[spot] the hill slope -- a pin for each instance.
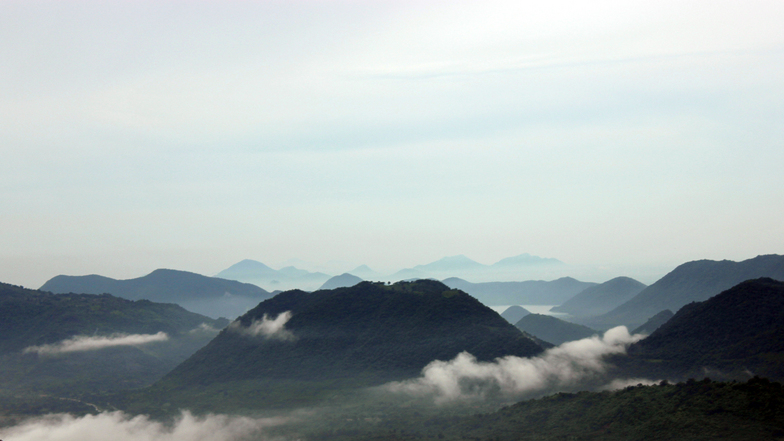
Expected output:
(602, 298)
(342, 281)
(654, 323)
(736, 332)
(353, 337)
(72, 342)
(210, 296)
(691, 282)
(514, 313)
(553, 330)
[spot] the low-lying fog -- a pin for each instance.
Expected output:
(572, 366)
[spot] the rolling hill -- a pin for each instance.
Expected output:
(333, 340)
(737, 333)
(602, 298)
(553, 330)
(71, 343)
(210, 296)
(344, 280)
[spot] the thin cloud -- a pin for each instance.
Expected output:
(273, 329)
(121, 427)
(81, 343)
(465, 378)
(204, 327)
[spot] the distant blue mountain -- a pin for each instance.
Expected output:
(526, 259)
(344, 280)
(257, 273)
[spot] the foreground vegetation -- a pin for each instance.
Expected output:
(693, 410)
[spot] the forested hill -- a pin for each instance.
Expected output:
(691, 282)
(364, 335)
(737, 332)
(45, 323)
(693, 410)
(210, 296)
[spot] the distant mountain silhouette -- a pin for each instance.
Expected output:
(211, 296)
(463, 267)
(32, 320)
(552, 329)
(450, 264)
(514, 313)
(602, 298)
(654, 322)
(257, 273)
(532, 292)
(364, 272)
(354, 337)
(524, 260)
(691, 282)
(344, 280)
(736, 333)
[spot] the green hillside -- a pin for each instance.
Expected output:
(354, 337)
(734, 334)
(39, 321)
(694, 410)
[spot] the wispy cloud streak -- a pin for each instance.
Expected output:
(81, 343)
(273, 329)
(465, 378)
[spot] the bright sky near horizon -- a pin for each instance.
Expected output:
(190, 135)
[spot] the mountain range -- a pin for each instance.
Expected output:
(290, 277)
(462, 266)
(210, 296)
(737, 333)
(689, 282)
(257, 273)
(531, 292)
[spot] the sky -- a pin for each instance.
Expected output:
(632, 135)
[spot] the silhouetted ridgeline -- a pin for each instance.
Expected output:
(211, 296)
(735, 334)
(531, 292)
(691, 282)
(602, 298)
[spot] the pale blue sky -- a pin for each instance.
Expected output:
(191, 135)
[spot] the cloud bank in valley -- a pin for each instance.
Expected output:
(121, 427)
(567, 365)
(273, 329)
(81, 343)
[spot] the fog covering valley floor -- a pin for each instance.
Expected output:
(358, 363)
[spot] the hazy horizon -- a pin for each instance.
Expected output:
(624, 135)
